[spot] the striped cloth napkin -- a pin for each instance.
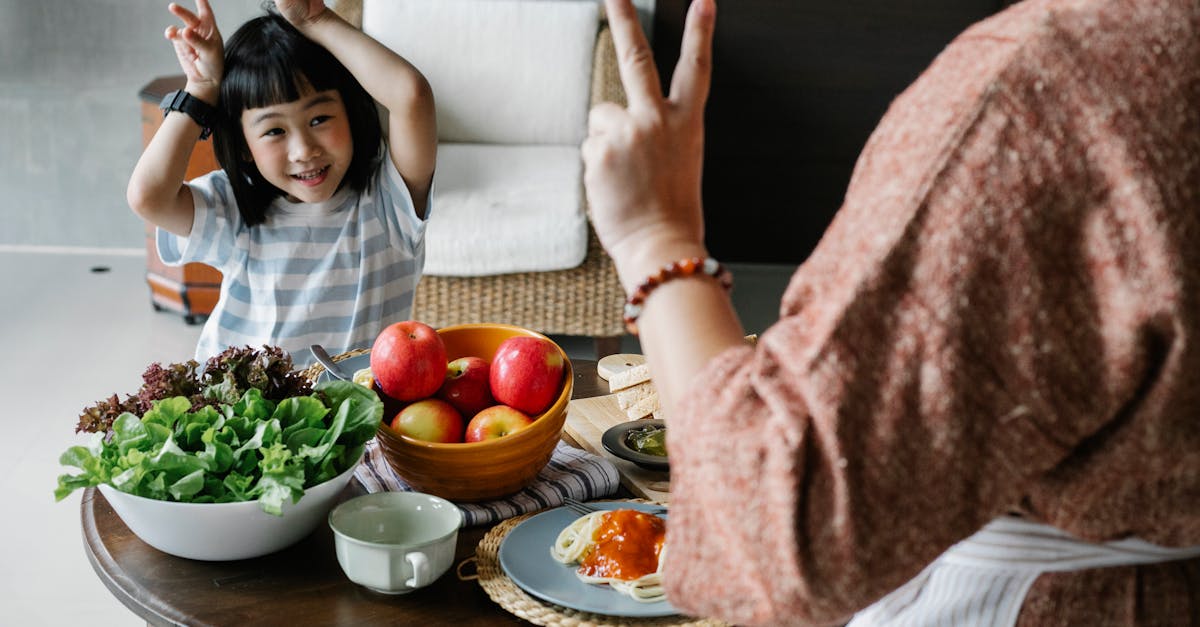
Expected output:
(571, 473)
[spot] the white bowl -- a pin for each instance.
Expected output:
(224, 531)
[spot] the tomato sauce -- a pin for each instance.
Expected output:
(626, 545)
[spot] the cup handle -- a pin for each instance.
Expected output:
(420, 566)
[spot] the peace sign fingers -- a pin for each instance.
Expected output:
(643, 164)
(693, 72)
(198, 46)
(635, 59)
(190, 20)
(208, 23)
(201, 22)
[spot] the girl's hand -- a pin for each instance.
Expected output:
(643, 163)
(300, 12)
(200, 50)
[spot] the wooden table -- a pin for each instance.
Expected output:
(301, 585)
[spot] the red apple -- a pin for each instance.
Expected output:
(409, 360)
(527, 373)
(431, 420)
(494, 422)
(467, 387)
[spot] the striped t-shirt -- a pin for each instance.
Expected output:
(333, 273)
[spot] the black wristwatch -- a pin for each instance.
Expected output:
(203, 113)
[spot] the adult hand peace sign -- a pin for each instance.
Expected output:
(643, 163)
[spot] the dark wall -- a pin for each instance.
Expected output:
(798, 85)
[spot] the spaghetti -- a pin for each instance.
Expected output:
(623, 548)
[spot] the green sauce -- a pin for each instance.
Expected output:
(651, 440)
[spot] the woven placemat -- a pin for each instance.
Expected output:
(507, 595)
(312, 372)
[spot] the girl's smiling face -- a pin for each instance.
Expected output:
(303, 147)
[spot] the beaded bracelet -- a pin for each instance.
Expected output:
(675, 270)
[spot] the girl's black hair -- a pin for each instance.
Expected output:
(269, 62)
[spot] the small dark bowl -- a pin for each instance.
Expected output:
(614, 442)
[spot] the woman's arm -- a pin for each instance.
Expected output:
(980, 329)
(394, 82)
(156, 189)
(643, 167)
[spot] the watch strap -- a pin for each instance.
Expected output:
(201, 112)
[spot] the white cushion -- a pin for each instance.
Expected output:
(500, 209)
(502, 71)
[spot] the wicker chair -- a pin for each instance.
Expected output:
(582, 301)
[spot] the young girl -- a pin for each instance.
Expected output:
(316, 223)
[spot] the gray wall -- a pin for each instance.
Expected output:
(70, 132)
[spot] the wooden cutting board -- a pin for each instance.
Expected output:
(587, 420)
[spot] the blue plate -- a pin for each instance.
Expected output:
(525, 558)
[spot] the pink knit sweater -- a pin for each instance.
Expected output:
(1004, 316)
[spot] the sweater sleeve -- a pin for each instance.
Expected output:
(998, 286)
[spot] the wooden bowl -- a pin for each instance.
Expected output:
(480, 471)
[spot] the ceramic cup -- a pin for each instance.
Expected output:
(395, 542)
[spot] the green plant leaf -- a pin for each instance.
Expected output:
(190, 484)
(247, 427)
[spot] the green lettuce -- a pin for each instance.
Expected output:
(250, 448)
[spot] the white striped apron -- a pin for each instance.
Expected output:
(983, 579)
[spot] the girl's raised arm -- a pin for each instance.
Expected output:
(156, 190)
(392, 81)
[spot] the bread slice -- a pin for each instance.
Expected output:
(643, 408)
(629, 378)
(627, 397)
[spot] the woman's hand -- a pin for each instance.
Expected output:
(200, 50)
(643, 163)
(300, 12)
(642, 175)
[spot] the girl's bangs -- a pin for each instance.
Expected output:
(267, 82)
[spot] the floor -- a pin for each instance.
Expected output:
(79, 327)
